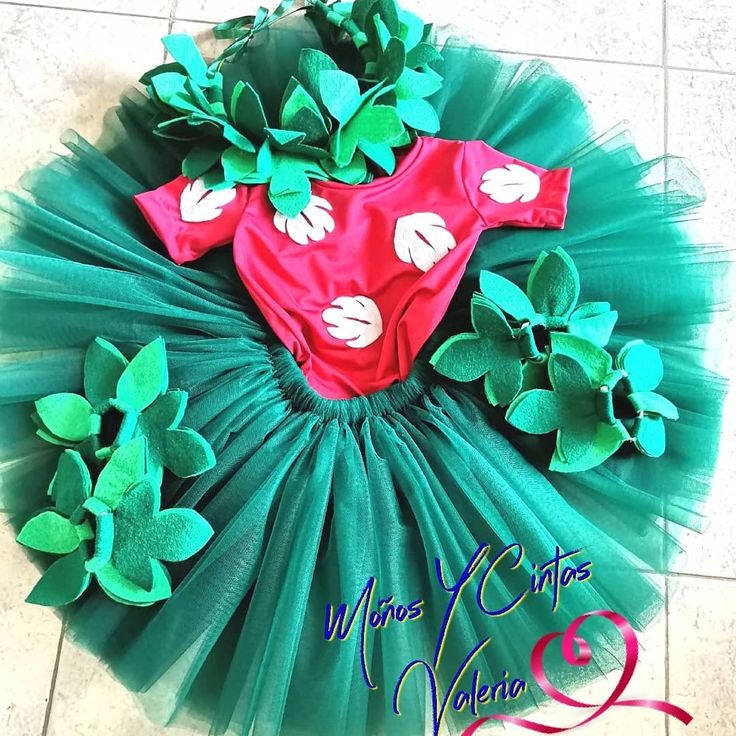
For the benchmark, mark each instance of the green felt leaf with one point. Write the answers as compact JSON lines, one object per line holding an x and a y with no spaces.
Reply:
{"x":340,"y":93}
{"x":126,"y":466}
{"x":381,"y":154}
{"x":200,"y":159}
{"x":355,"y":172}
{"x":170,"y":88}
{"x":464,"y":357}
{"x":238,"y":165}
{"x":506,"y":295}
{"x":146,"y":377}
{"x":418,"y":114}
{"x":391,"y":65}
{"x":536,"y":412}
{"x":284,"y":138}
{"x":596,"y":361}
{"x":122,"y":590}
{"x":48,"y":437}
{"x":104,"y":536}
{"x":376,"y":124}
{"x":488,"y":320}
{"x":289,"y":190}
{"x":586,"y":445}
{"x":297,"y":99}
{"x":554,"y":284}
{"x":567,"y":375}
{"x":235,"y":137}
{"x":144,"y":534}
{"x":51,"y":532}
{"x":184,"y":50}
{"x":167,"y":411}
{"x":642,"y":362}
{"x":594,"y":326}
{"x":422,"y":54}
{"x":71,"y":484}
{"x":67,"y":416}
{"x":312,"y":63}
{"x":246,"y":109}
{"x":103,"y":366}
{"x":650,"y":436}
{"x":535,"y":376}
{"x":187,"y":453}
{"x":414,"y":85}
{"x":63,"y":582}
{"x":652,"y":403}
{"x":503,"y":381}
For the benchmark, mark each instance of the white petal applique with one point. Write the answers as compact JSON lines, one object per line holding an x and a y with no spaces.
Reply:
{"x":199,"y":204}
{"x":512,"y":183}
{"x":356,"y":320}
{"x":312,"y":223}
{"x":422,"y":239}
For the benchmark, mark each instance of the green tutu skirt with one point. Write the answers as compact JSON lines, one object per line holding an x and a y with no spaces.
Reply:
{"x":311,"y":498}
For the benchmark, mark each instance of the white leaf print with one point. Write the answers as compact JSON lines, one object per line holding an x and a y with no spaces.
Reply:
{"x":513,"y":183}
{"x":312,"y":223}
{"x":356,"y":320}
{"x":199,"y":204}
{"x":422,"y":239}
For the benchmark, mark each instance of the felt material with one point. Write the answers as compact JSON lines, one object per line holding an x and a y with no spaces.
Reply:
{"x":67,"y":417}
{"x":145,"y":378}
{"x":331,"y":122}
{"x":643,"y":363}
{"x":551,"y":300}
{"x":135,"y":394}
{"x":63,"y":582}
{"x":53,"y":533}
{"x":311,"y":497}
{"x":103,"y":366}
{"x":144,"y":534}
{"x":71,"y":484}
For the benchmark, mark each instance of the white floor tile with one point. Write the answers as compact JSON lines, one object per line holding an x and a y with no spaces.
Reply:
{"x":29,"y":638}
{"x":63,"y":69}
{"x":702,"y":651}
{"x":89,"y":702}
{"x":158,"y":8}
{"x":702,"y":35}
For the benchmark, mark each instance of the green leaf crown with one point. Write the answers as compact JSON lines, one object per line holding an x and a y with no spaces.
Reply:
{"x":331,"y":124}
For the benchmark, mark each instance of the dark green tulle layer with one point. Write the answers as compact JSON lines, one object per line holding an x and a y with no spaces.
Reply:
{"x":311,"y":497}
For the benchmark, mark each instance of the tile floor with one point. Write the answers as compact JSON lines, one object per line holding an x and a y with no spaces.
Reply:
{"x":668,"y":67}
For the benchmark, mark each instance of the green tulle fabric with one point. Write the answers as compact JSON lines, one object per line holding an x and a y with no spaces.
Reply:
{"x":312,"y":497}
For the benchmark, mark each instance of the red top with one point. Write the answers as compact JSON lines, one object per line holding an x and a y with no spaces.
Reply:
{"x":356,"y":283}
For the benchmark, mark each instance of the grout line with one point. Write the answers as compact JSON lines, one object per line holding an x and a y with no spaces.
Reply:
{"x":666,"y":646}
{"x":172,"y":18}
{"x":52,"y":688}
{"x":44,"y":6}
{"x":702,"y":576}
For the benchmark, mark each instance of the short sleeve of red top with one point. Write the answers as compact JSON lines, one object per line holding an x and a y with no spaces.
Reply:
{"x":356,"y":283}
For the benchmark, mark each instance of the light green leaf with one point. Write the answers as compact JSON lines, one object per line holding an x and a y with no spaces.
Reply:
{"x":568,"y":376}
{"x":146,"y":377}
{"x":488,"y":320}
{"x":503,"y":381}
{"x":418,"y":114}
{"x":652,"y":403}
{"x":649,"y":436}
{"x":49,"y":532}
{"x":184,"y":50}
{"x":554,"y":284}
{"x":167,"y":411}
{"x":180,"y":533}
{"x":597,"y":328}
{"x":340,"y":93}
{"x":126,"y":466}
{"x":71,"y":485}
{"x":67,"y":416}
{"x":463,"y":357}
{"x":103,"y":366}
{"x":596,"y":361}
{"x":63,"y":582}
{"x":579,"y":448}
{"x":506,"y":295}
{"x":187,"y":453}
{"x":311,"y":64}
{"x":200,"y":160}
{"x":536,"y":412}
{"x":414,"y":85}
{"x":642,"y":362}
{"x":238,"y":165}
